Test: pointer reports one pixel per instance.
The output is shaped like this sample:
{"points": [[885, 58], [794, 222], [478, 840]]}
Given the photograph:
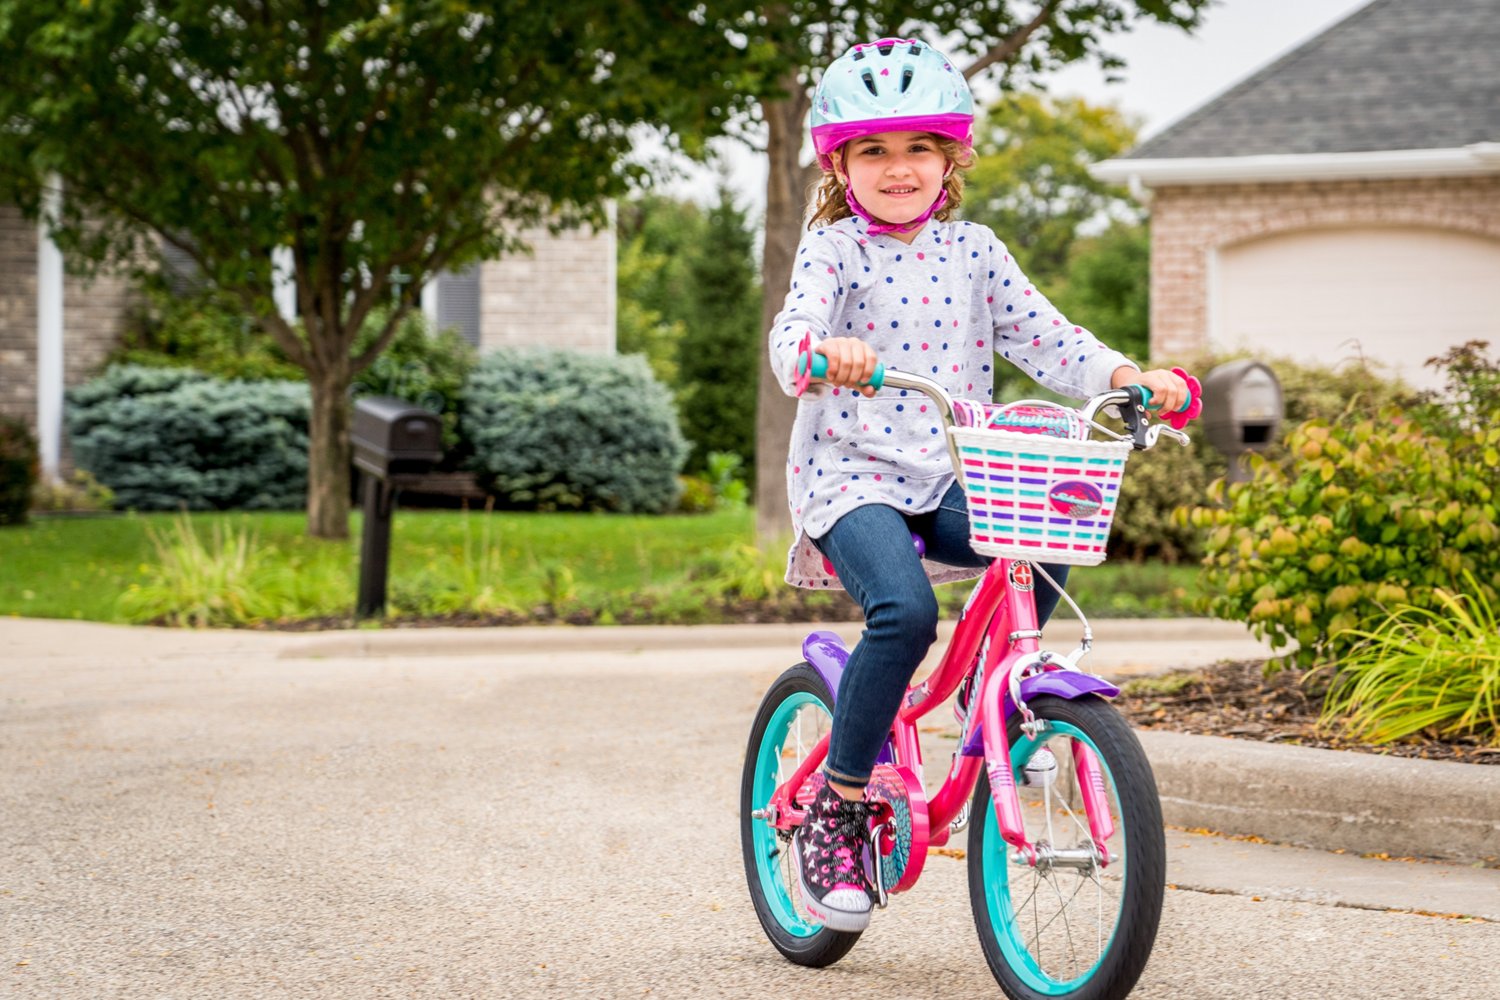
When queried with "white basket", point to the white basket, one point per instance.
{"points": [[1032, 496]]}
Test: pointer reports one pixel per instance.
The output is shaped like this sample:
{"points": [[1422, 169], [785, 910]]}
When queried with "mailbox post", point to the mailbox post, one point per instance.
{"points": [[394, 442], [1242, 410]]}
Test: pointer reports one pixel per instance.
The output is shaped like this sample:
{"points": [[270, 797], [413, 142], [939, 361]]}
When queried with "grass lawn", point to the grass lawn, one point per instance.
{"points": [[79, 567], [263, 566]]}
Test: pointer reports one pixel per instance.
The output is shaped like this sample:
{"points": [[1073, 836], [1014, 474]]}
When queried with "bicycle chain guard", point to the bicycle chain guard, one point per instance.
{"points": [[901, 806]]}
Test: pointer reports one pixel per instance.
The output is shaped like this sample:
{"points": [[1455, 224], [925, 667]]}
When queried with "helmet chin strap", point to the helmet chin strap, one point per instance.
{"points": [[880, 228]]}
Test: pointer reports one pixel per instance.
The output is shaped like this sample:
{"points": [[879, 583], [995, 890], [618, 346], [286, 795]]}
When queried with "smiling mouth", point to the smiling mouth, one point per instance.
{"points": [[899, 190]]}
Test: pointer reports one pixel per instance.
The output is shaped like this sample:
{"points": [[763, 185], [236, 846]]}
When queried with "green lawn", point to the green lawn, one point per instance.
{"points": [[79, 567], [241, 567]]}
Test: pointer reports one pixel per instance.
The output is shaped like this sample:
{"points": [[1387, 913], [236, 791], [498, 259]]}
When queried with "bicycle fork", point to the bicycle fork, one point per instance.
{"points": [[1005, 797]]}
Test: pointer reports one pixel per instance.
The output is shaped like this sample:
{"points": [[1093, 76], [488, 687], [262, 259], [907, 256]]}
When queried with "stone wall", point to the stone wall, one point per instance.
{"points": [[17, 315], [1188, 223]]}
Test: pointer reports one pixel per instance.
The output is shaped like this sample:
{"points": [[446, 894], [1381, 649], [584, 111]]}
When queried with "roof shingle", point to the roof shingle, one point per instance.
{"points": [[1397, 74]]}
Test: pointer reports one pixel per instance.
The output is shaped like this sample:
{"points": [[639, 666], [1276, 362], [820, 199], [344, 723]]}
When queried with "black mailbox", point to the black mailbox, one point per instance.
{"points": [[394, 442], [392, 437], [1242, 410]]}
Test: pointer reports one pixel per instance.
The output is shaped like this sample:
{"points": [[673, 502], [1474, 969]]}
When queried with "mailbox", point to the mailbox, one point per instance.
{"points": [[392, 437], [1242, 410], [393, 441]]}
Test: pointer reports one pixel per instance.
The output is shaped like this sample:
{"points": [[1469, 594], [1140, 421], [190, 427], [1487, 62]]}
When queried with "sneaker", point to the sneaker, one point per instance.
{"points": [[830, 848]]}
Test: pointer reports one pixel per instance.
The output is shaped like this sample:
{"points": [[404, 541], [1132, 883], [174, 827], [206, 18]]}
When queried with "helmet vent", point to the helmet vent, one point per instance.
{"points": [[915, 49], [885, 48], [869, 79], [906, 76]]}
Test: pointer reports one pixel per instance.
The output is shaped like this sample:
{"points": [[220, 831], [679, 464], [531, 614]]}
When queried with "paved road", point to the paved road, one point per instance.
{"points": [[191, 816]]}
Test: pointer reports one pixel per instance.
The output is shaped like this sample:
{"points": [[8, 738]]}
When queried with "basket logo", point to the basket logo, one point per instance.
{"points": [[1075, 498]]}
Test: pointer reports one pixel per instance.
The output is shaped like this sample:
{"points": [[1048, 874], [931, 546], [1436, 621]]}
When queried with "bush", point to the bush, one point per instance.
{"points": [[557, 430], [200, 329], [1360, 514], [169, 438], [1146, 525], [80, 494], [420, 367], [18, 470]]}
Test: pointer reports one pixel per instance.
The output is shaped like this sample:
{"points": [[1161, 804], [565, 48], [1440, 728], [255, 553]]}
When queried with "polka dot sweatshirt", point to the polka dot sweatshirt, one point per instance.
{"points": [[943, 306]]}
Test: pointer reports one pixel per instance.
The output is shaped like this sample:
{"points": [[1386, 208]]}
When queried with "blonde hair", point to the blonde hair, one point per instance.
{"points": [[830, 202]]}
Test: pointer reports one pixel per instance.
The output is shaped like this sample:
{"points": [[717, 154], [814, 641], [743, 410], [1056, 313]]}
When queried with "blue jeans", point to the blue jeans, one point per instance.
{"points": [[872, 552]]}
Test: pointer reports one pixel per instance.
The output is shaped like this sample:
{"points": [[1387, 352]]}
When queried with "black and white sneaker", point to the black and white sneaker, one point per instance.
{"points": [[830, 849]]}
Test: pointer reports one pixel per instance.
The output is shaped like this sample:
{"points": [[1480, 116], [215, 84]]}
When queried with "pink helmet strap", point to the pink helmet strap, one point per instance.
{"points": [[881, 228]]}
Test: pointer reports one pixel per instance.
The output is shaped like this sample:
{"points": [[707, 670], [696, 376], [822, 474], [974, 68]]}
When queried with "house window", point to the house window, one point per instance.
{"points": [[458, 302]]}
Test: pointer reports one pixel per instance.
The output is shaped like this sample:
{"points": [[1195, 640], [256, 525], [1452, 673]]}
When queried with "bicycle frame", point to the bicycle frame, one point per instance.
{"points": [[997, 637]]}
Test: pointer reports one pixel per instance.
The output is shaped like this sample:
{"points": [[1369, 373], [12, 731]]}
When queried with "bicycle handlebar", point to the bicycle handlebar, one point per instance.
{"points": [[1129, 400]]}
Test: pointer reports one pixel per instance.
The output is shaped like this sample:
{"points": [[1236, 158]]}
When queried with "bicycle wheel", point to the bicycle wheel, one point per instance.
{"points": [[1068, 926], [793, 716]]}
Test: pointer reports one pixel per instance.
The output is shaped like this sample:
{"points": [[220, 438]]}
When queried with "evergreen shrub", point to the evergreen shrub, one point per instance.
{"points": [[174, 438], [559, 430], [18, 470]]}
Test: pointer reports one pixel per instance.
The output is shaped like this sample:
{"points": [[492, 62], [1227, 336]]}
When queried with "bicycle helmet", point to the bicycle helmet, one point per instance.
{"points": [[890, 85]]}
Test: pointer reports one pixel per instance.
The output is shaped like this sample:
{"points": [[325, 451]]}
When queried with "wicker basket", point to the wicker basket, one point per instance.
{"points": [[1033, 495]]}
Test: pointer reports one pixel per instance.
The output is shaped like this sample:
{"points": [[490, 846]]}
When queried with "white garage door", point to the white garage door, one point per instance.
{"points": [[1395, 295]]}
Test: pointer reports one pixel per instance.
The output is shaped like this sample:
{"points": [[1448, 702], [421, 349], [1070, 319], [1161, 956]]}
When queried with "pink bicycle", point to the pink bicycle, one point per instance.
{"points": [[1066, 856]]}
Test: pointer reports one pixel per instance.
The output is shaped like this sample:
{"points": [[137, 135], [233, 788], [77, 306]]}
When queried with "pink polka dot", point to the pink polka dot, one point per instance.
{"points": [[1057, 322], [869, 326], [830, 432], [925, 300], [867, 426], [978, 343], [955, 367], [924, 408], [989, 298], [1027, 292], [924, 346], [830, 270], [921, 256], [877, 477]]}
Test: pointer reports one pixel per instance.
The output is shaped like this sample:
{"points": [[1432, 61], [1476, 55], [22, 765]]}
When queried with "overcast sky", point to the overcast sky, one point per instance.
{"points": [[1168, 74]]}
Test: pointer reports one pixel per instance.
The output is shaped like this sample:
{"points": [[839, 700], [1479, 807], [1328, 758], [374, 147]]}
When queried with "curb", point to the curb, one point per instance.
{"points": [[1195, 633], [1332, 800]]}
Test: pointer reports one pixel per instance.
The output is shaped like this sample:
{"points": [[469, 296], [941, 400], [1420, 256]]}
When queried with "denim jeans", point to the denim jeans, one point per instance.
{"points": [[872, 552]]}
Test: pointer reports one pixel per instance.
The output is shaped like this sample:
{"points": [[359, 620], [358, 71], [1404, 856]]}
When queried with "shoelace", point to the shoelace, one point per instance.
{"points": [[851, 829]]}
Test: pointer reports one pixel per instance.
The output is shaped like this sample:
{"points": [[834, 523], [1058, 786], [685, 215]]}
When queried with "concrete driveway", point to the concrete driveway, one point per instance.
{"points": [[258, 815]]}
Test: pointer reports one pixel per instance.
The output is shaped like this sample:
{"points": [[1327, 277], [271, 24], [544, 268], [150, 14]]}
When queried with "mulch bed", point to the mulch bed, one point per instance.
{"points": [[1240, 700]]}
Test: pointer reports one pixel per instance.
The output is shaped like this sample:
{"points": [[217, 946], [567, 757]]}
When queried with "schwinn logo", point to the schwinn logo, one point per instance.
{"points": [[1021, 576]]}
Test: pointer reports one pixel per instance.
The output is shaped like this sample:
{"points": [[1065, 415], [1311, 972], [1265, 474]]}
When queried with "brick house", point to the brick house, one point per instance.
{"points": [[56, 330], [1342, 201]]}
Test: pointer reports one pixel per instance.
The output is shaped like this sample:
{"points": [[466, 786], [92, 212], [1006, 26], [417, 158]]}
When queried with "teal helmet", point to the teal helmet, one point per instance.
{"points": [[890, 85]]}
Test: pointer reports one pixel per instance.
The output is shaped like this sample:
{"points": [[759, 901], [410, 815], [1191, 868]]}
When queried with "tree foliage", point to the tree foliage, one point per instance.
{"points": [[376, 143], [1031, 183]]}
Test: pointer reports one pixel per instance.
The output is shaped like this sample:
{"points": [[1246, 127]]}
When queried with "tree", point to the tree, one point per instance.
{"points": [[786, 40], [721, 343], [376, 143], [1031, 183]]}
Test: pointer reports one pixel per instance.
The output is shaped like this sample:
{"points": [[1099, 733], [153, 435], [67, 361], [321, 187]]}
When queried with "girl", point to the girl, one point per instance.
{"points": [[886, 274]]}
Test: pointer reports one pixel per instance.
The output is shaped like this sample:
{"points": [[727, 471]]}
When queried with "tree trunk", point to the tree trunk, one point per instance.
{"points": [[328, 455], [786, 196]]}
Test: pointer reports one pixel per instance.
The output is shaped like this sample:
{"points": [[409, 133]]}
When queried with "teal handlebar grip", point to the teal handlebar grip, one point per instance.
{"points": [[820, 368]]}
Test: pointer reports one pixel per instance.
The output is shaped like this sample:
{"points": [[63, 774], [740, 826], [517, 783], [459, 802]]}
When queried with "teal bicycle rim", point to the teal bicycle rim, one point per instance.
{"points": [[769, 847], [997, 875]]}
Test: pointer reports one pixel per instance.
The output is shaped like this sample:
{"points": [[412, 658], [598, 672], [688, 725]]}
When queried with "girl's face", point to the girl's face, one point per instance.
{"points": [[896, 176]]}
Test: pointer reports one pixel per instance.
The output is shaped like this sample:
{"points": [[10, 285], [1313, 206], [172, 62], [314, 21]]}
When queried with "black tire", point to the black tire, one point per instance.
{"points": [[1061, 966], [800, 939]]}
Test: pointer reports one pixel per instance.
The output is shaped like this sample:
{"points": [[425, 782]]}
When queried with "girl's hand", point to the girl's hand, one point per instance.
{"points": [[850, 362], [1169, 393]]}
